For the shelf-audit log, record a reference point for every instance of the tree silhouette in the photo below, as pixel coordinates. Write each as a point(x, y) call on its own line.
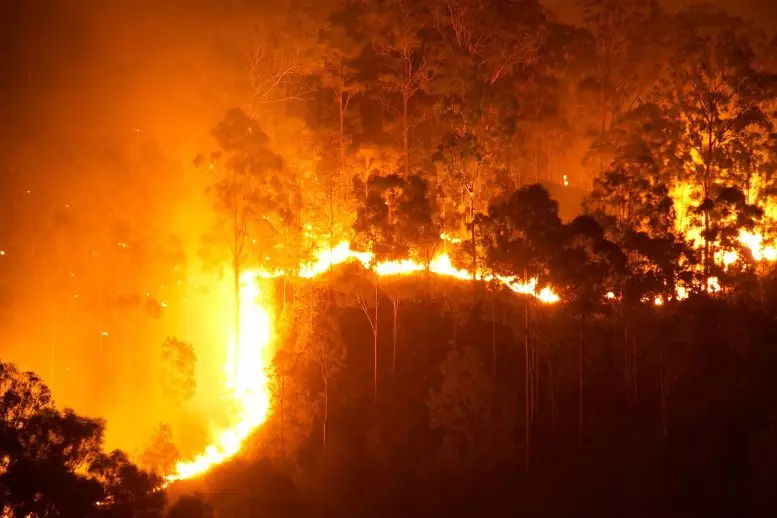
point(161, 456)
point(190, 506)
point(53, 463)
point(177, 371)
point(250, 189)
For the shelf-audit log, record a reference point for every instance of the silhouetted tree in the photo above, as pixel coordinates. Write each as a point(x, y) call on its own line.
point(190, 506)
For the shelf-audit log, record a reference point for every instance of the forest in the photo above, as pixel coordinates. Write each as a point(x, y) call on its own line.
point(561, 292)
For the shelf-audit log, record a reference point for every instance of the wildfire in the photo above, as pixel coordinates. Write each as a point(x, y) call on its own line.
point(250, 354)
point(685, 197)
point(441, 265)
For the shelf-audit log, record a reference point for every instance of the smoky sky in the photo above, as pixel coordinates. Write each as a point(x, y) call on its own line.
point(66, 63)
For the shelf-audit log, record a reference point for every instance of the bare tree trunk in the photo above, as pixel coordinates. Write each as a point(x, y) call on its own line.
point(493, 330)
point(285, 264)
point(375, 347)
point(472, 232)
point(628, 375)
point(527, 382)
point(341, 110)
point(236, 287)
point(326, 410)
point(552, 390)
point(406, 136)
point(581, 367)
point(705, 188)
point(395, 303)
point(455, 322)
point(634, 372)
point(664, 387)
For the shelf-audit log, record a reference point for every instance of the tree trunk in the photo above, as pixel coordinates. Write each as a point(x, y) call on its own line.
point(493, 330)
point(705, 188)
point(326, 410)
point(664, 386)
point(628, 375)
point(527, 382)
point(236, 287)
point(406, 136)
point(581, 367)
point(285, 265)
point(375, 347)
point(455, 322)
point(552, 390)
point(472, 232)
point(395, 303)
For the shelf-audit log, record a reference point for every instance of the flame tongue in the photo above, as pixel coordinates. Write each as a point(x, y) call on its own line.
point(247, 380)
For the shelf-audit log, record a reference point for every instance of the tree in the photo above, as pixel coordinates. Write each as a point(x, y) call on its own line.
point(400, 36)
point(499, 37)
point(250, 191)
point(162, 455)
point(190, 506)
point(463, 181)
point(128, 491)
point(468, 408)
point(285, 49)
point(395, 218)
point(53, 463)
point(178, 371)
point(327, 352)
point(340, 77)
point(291, 409)
point(583, 273)
point(716, 91)
point(632, 193)
point(628, 60)
point(524, 232)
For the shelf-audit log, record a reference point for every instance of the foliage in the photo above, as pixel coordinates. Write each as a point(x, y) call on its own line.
point(178, 369)
point(53, 463)
point(190, 506)
point(161, 456)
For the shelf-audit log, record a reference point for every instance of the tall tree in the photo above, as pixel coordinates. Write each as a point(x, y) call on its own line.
point(401, 36)
point(161, 456)
point(190, 506)
point(177, 371)
point(716, 91)
point(524, 232)
point(628, 62)
point(250, 190)
point(584, 272)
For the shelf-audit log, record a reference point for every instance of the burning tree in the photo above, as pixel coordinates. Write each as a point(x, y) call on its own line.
point(252, 194)
point(177, 372)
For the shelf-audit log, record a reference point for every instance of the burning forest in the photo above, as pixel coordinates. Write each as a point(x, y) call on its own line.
point(380, 257)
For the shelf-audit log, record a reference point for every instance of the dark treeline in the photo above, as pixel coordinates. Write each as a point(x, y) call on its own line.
point(496, 403)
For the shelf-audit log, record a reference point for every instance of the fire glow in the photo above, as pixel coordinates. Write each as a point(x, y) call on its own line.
point(251, 353)
point(249, 357)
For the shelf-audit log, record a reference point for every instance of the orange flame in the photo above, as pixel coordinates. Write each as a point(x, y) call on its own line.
point(246, 379)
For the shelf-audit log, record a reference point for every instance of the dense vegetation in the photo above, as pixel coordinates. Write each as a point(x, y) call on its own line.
point(388, 123)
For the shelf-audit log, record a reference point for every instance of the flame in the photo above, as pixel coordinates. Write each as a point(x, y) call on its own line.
point(246, 379)
point(686, 196)
point(250, 355)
